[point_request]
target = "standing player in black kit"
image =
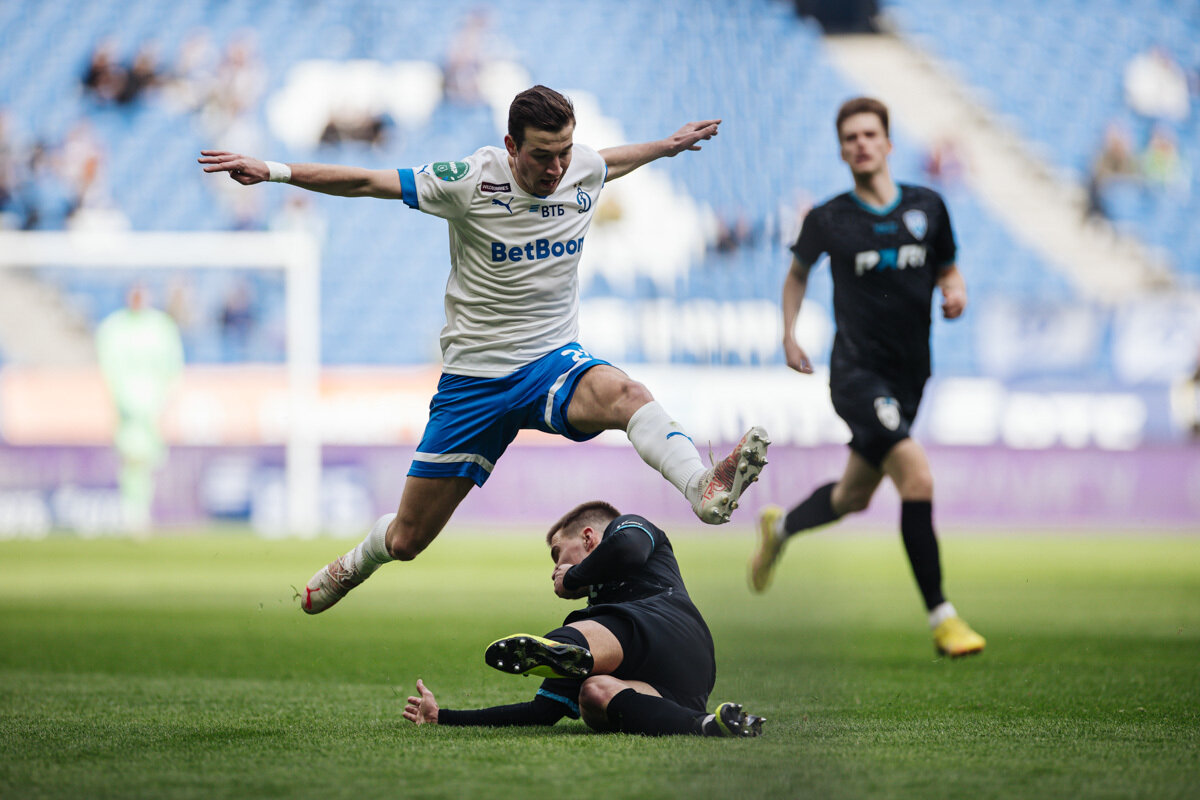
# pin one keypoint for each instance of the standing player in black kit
(889, 246)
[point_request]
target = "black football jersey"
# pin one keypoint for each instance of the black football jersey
(634, 560)
(885, 264)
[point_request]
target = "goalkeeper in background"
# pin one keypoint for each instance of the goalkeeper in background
(141, 357)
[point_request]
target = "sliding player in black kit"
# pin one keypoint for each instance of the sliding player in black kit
(637, 659)
(889, 247)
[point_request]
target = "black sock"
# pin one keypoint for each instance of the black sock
(568, 635)
(916, 528)
(816, 510)
(631, 712)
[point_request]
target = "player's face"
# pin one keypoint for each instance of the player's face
(543, 158)
(865, 145)
(569, 549)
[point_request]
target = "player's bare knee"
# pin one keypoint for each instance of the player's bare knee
(918, 486)
(632, 396)
(851, 502)
(595, 692)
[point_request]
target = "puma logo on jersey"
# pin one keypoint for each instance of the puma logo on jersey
(496, 201)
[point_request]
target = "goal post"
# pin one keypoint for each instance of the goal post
(295, 253)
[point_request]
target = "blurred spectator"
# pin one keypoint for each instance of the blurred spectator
(190, 81)
(142, 76)
(105, 78)
(230, 119)
(181, 306)
(1162, 165)
(464, 58)
(46, 200)
(1115, 162)
(943, 165)
(733, 233)
(82, 162)
(239, 317)
(229, 111)
(240, 77)
(1156, 86)
(141, 358)
(347, 124)
(791, 216)
(11, 169)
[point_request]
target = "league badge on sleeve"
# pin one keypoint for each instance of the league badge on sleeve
(450, 171)
(916, 222)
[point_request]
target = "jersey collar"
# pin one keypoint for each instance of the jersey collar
(881, 211)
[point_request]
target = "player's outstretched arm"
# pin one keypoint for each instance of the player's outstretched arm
(795, 285)
(423, 709)
(954, 292)
(539, 711)
(626, 158)
(325, 178)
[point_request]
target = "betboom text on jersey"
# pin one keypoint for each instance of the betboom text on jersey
(534, 251)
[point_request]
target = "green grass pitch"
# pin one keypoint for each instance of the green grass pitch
(181, 668)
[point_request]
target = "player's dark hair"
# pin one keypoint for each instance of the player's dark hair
(595, 513)
(540, 108)
(863, 105)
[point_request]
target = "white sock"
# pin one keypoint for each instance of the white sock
(941, 613)
(662, 444)
(371, 553)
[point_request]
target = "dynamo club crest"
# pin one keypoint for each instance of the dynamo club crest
(916, 222)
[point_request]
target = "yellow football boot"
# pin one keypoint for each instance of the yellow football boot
(526, 654)
(955, 638)
(770, 545)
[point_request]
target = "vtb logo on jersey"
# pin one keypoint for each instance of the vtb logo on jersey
(916, 222)
(903, 257)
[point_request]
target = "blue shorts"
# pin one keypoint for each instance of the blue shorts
(473, 420)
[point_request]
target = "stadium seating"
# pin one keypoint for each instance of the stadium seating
(755, 64)
(1056, 73)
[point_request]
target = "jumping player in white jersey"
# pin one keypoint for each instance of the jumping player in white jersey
(518, 218)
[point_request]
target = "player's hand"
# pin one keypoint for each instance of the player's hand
(243, 169)
(797, 359)
(561, 590)
(954, 302)
(686, 137)
(423, 709)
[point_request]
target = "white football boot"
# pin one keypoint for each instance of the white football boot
(722, 484)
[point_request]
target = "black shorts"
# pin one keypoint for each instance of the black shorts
(666, 644)
(878, 411)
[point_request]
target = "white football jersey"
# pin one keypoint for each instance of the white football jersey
(513, 291)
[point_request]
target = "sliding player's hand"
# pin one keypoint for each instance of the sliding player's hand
(423, 709)
(563, 591)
